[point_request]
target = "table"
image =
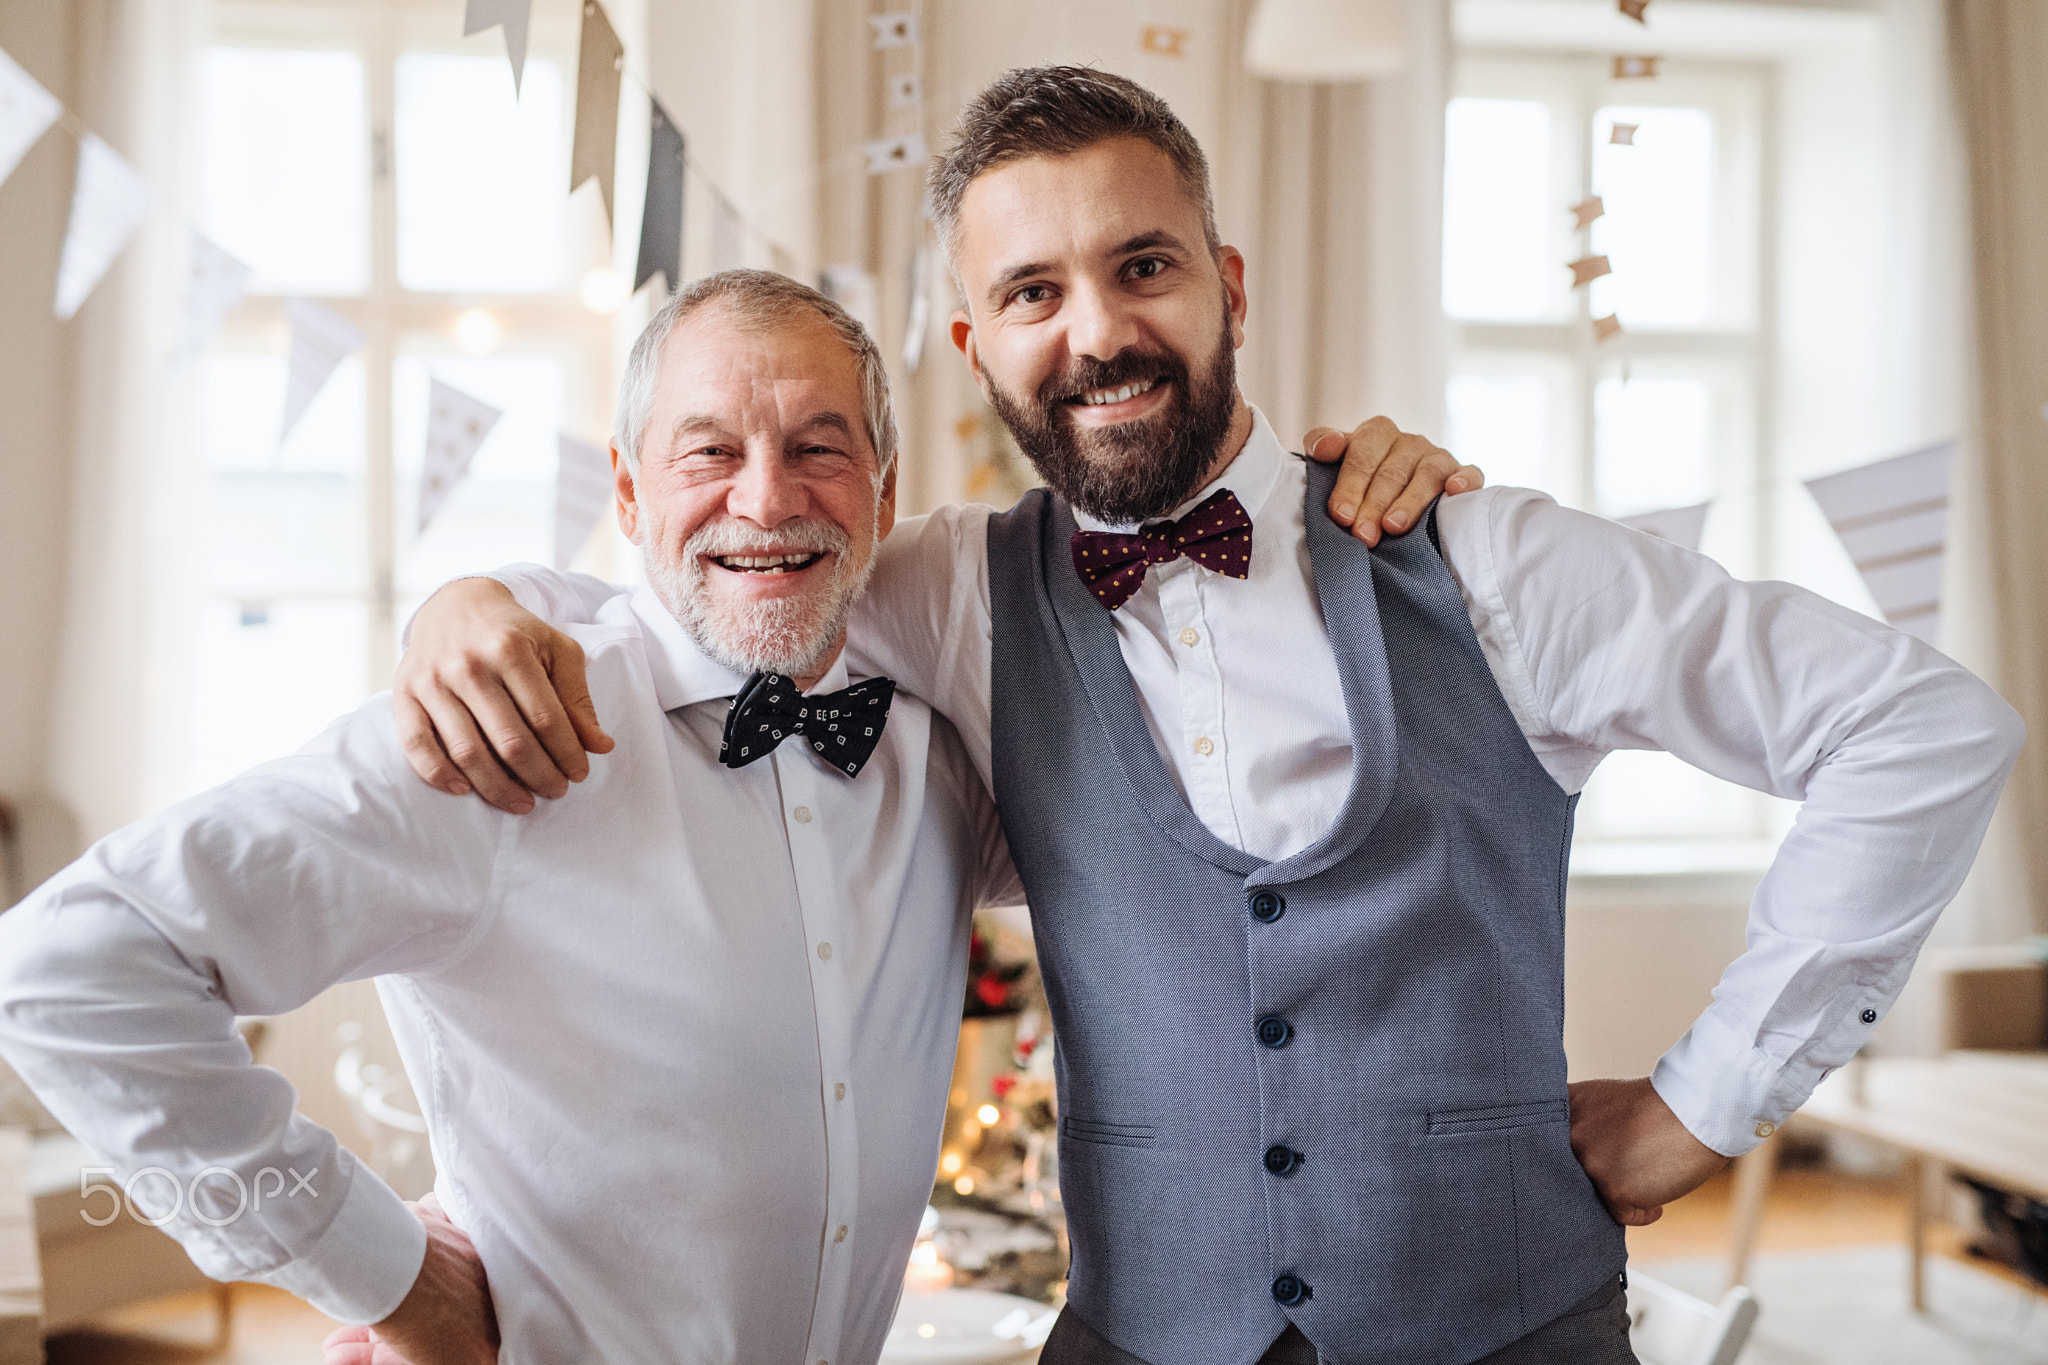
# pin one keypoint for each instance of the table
(21, 1279)
(1982, 1113)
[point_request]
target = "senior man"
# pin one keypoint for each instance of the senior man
(1294, 815)
(682, 1045)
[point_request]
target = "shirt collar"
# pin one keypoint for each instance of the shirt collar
(1252, 476)
(683, 673)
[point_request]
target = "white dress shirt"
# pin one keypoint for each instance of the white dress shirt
(683, 1043)
(1600, 638)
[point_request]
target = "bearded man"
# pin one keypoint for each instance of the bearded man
(1293, 815)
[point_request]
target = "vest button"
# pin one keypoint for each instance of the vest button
(1275, 1031)
(1869, 1016)
(1290, 1290)
(1267, 906)
(1282, 1160)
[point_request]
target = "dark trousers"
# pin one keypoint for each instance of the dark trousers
(1593, 1333)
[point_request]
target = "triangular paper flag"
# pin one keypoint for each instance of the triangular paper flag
(1162, 41)
(661, 221)
(214, 283)
(583, 490)
(26, 113)
(456, 425)
(1587, 269)
(1623, 134)
(1634, 9)
(894, 30)
(888, 153)
(1635, 68)
(320, 342)
(905, 91)
(1892, 517)
(1606, 327)
(108, 203)
(600, 62)
(918, 316)
(1679, 525)
(728, 252)
(514, 15)
(1586, 210)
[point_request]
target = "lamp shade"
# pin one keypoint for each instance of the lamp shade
(1327, 40)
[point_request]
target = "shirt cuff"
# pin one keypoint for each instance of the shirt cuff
(365, 1264)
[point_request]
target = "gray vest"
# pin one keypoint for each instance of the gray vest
(1329, 1089)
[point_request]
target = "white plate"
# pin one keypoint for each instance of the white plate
(965, 1327)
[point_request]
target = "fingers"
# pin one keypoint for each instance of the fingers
(1364, 450)
(574, 692)
(544, 719)
(1429, 470)
(1470, 478)
(348, 1346)
(423, 748)
(1323, 444)
(466, 747)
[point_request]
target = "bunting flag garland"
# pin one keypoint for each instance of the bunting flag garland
(320, 342)
(905, 91)
(1634, 9)
(456, 425)
(1892, 517)
(1586, 210)
(26, 113)
(1603, 328)
(1587, 269)
(888, 153)
(583, 490)
(1679, 525)
(514, 15)
(1162, 41)
(214, 283)
(108, 202)
(894, 30)
(917, 318)
(661, 222)
(600, 62)
(1635, 68)
(727, 248)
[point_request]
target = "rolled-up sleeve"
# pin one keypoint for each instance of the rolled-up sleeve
(120, 980)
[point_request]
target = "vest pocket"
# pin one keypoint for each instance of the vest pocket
(1493, 1117)
(1107, 1134)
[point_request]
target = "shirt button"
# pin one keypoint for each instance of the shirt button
(1290, 1290)
(839, 1091)
(1267, 906)
(840, 1235)
(1282, 1160)
(824, 952)
(1869, 1016)
(802, 814)
(1191, 636)
(1275, 1031)
(1766, 1128)
(1205, 746)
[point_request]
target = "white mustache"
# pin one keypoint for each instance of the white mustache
(729, 537)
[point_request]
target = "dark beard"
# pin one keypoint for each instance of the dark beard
(1139, 471)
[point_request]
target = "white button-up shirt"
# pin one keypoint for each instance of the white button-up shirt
(683, 1043)
(1600, 638)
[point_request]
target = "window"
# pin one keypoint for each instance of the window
(363, 153)
(1666, 413)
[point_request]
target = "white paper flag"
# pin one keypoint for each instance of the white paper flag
(905, 91)
(1679, 525)
(320, 342)
(26, 113)
(214, 283)
(853, 289)
(917, 318)
(894, 30)
(888, 153)
(107, 205)
(513, 14)
(1892, 517)
(456, 425)
(583, 491)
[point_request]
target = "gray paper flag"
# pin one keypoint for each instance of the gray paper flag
(513, 14)
(456, 425)
(108, 202)
(1679, 525)
(888, 153)
(214, 284)
(583, 490)
(320, 342)
(600, 62)
(1892, 517)
(26, 113)
(661, 221)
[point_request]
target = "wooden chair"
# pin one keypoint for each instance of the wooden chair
(1668, 1326)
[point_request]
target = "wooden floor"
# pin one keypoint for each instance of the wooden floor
(1810, 1208)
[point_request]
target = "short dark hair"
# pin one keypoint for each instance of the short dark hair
(1056, 111)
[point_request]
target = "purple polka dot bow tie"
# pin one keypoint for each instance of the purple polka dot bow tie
(844, 727)
(1217, 535)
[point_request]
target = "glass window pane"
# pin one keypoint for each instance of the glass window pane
(481, 198)
(1500, 213)
(270, 676)
(1652, 444)
(1659, 222)
(285, 182)
(1502, 424)
(503, 510)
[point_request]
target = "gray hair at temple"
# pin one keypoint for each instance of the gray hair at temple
(1056, 111)
(760, 299)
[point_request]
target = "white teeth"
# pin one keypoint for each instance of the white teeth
(765, 563)
(1104, 396)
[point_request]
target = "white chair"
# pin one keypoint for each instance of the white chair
(1668, 1326)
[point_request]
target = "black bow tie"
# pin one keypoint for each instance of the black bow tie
(844, 727)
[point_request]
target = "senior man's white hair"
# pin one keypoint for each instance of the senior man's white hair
(758, 298)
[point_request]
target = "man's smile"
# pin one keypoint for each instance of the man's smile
(767, 563)
(1123, 403)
